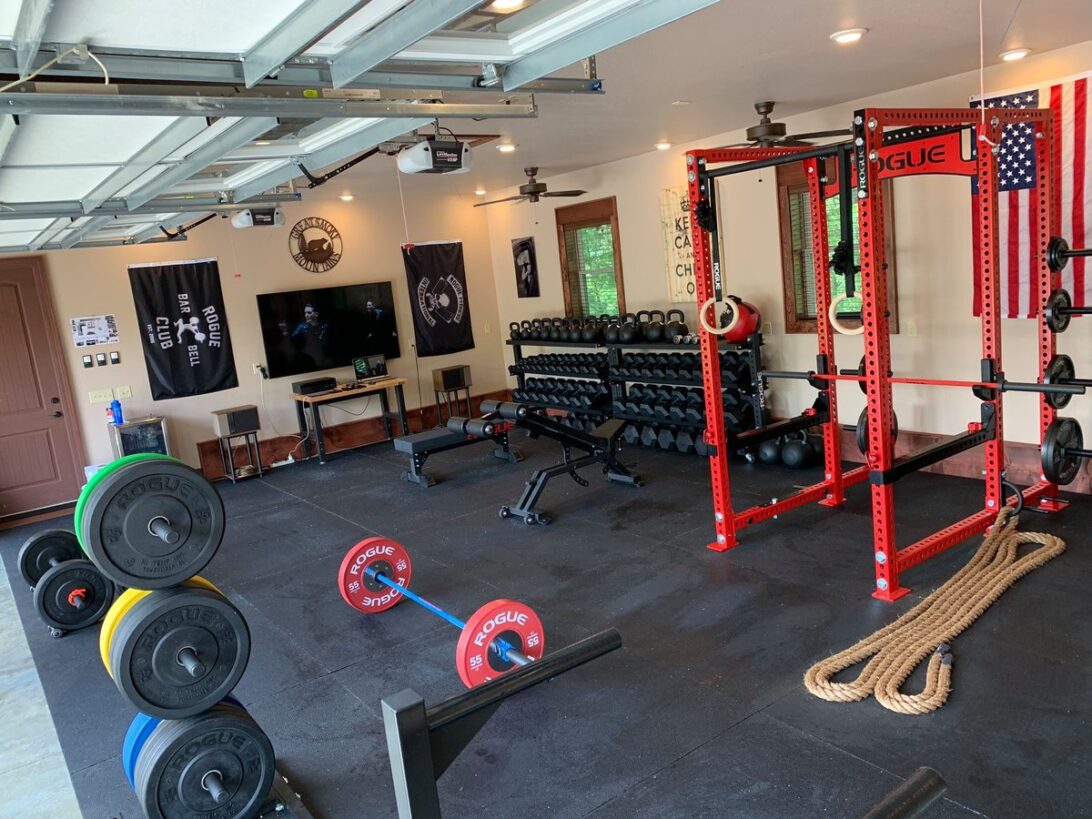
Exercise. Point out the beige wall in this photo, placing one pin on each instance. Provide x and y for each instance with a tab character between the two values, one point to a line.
91	282
939	336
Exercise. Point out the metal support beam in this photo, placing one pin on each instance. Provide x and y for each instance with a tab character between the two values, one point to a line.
55	227
181	106
400	31
124	66
75	235
356	143
29	28
598	37
73	209
295	33
174	137
7	131
235	136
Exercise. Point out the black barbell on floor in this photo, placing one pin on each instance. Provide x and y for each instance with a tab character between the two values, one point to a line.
1063	450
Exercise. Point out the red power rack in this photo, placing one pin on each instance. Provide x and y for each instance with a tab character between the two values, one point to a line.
886	143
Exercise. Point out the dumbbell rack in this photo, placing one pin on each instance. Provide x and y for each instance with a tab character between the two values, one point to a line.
616	378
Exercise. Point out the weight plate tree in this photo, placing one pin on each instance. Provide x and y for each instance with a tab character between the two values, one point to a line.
219	763
125	601
150	523
176	652
500	636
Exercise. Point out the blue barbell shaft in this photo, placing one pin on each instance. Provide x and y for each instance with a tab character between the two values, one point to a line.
507	652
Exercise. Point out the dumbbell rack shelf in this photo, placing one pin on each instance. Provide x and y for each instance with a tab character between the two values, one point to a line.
615	377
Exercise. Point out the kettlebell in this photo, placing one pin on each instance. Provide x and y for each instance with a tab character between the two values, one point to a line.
535	333
513	330
796	454
674	328
611	330
627	332
769	452
576	331
654	329
815	442
525	329
593	330
554	333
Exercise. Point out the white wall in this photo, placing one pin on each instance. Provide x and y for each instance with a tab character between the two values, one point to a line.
91	282
940	338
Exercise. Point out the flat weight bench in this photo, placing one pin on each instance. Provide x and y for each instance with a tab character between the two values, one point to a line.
601	447
420	445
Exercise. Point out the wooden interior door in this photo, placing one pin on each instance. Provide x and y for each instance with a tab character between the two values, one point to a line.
41	453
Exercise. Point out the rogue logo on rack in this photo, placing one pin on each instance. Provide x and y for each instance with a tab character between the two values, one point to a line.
942	154
315	244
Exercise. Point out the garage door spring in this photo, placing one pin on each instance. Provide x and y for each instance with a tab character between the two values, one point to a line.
927	629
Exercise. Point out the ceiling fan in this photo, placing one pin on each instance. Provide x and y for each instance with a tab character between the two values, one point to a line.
767	134
532	191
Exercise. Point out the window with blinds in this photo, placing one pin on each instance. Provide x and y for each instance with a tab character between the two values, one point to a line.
803	274
797	258
591	266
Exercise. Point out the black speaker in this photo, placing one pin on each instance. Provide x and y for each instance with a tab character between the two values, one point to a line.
236	420
451	378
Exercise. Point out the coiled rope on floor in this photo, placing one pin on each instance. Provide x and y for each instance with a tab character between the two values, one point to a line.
897	649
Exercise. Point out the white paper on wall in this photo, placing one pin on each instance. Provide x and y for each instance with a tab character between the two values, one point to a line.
87	331
675	218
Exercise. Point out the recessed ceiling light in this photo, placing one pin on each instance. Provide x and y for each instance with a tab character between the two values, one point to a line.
261	142
506	148
681	102
1015	54
663	146
506	5
346	197
848	35
480	192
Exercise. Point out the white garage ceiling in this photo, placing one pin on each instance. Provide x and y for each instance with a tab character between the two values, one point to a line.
120	109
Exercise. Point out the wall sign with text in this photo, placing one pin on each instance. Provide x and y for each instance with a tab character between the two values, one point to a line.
315	244
675	218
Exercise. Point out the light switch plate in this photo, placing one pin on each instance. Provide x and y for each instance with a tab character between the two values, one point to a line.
101	396
123	392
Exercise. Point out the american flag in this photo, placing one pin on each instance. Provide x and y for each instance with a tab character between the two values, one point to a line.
1017	178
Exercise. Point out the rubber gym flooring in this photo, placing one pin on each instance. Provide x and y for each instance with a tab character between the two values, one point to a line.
702	713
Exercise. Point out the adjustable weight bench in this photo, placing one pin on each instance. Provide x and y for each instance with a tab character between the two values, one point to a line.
420	445
601	447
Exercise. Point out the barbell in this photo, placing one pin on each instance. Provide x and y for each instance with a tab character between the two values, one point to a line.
498	637
1070	388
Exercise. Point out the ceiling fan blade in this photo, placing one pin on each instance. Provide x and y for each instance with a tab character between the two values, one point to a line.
740	145
820	134
791	142
498	201
563	193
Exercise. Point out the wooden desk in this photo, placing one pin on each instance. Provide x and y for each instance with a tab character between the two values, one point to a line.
316	400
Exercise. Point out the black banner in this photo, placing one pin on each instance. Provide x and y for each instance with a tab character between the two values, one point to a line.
180	309
438	296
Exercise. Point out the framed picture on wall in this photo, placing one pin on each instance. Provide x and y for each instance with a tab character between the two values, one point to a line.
526	264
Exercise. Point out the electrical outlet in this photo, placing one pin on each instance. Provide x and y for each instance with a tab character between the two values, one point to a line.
912	328
486	328
101	396
123	392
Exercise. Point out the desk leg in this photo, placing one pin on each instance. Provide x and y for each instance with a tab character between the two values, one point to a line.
385	406
305	434
400	397
316	420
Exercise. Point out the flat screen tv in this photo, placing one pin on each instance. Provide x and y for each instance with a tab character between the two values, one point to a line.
318	329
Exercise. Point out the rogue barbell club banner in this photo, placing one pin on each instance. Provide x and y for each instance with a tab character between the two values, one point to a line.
184	333
437	285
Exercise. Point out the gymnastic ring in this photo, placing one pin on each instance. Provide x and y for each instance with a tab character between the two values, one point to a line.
720	331
832	313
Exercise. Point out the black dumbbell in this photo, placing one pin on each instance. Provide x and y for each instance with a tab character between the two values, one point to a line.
649	435
631	434
684	441
665	439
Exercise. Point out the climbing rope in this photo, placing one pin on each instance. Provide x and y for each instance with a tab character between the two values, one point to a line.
926	629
